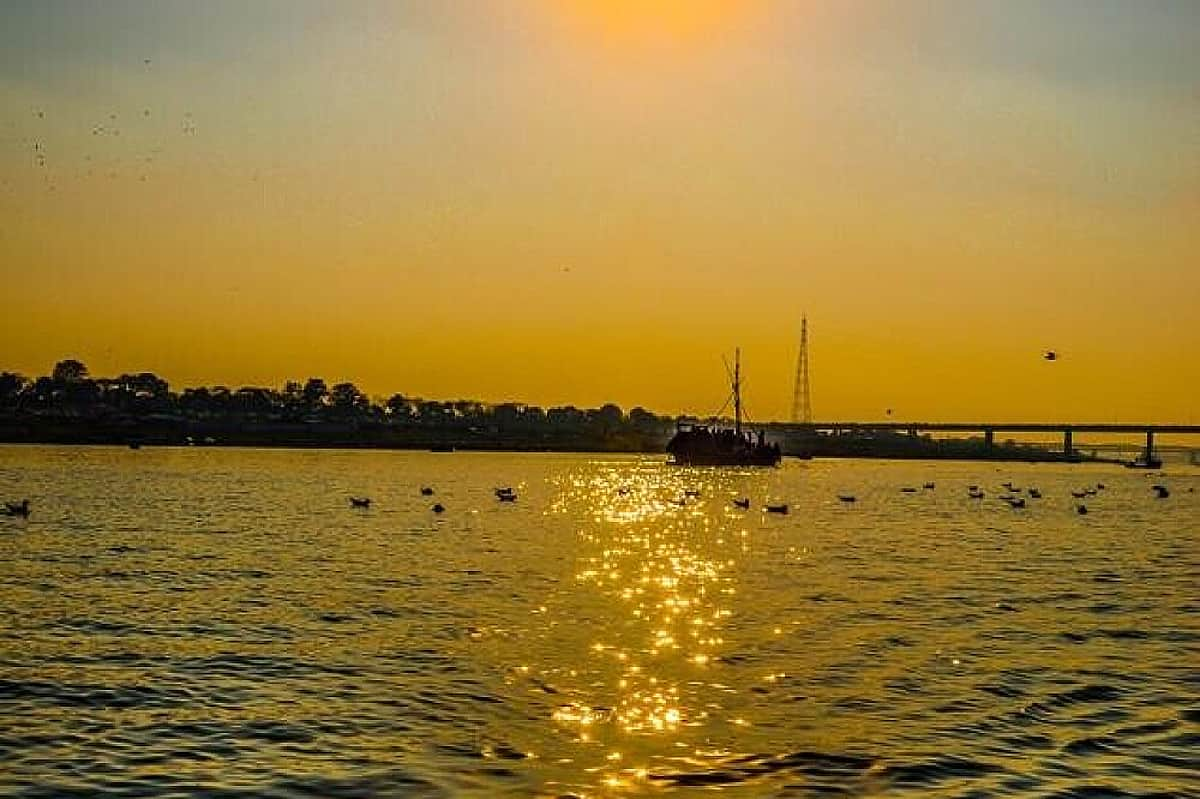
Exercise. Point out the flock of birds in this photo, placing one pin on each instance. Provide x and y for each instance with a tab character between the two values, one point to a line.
109	155
1012	495
505	494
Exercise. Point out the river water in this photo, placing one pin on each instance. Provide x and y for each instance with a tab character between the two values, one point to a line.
221	623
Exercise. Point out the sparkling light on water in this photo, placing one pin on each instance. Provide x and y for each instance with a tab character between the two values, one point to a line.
193	623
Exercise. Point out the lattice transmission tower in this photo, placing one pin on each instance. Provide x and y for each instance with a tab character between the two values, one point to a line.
802	398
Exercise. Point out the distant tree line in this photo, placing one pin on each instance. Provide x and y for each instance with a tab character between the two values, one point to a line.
70	405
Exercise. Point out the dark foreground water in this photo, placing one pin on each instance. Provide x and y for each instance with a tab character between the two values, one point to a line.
220	623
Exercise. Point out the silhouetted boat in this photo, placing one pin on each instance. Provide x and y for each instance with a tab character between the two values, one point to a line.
701	445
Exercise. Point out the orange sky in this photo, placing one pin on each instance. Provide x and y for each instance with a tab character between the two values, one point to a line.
583	202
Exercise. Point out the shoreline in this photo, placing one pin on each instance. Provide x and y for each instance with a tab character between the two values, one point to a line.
453	446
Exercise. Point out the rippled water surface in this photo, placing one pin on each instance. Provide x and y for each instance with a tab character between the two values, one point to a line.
211	622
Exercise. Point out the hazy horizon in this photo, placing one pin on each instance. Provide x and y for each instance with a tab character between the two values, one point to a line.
587	202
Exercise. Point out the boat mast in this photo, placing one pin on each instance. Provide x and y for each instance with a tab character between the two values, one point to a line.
737	390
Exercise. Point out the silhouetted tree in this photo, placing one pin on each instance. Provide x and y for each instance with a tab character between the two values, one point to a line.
399	408
506	415
432	413
253	400
144	383
468	411
69	371
347	399
119	405
220	399
292	397
566	418
533	417
315	392
195	400
609	416
12	385
644	421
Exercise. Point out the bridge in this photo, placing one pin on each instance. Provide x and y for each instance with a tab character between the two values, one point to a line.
989	430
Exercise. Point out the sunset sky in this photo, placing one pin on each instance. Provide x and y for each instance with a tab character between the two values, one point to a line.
581	201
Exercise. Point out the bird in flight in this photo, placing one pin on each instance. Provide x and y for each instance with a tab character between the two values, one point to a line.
1050	355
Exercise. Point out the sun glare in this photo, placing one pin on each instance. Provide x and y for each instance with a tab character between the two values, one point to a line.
655	20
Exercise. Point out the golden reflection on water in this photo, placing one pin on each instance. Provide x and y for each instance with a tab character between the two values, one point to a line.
620	630
659	554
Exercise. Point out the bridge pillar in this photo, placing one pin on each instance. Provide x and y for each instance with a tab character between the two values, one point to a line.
1149	446
1068	447
989	438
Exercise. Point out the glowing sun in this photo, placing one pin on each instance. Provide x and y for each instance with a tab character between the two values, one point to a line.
677	20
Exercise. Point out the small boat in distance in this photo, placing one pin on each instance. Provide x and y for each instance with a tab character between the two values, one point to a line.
702	445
